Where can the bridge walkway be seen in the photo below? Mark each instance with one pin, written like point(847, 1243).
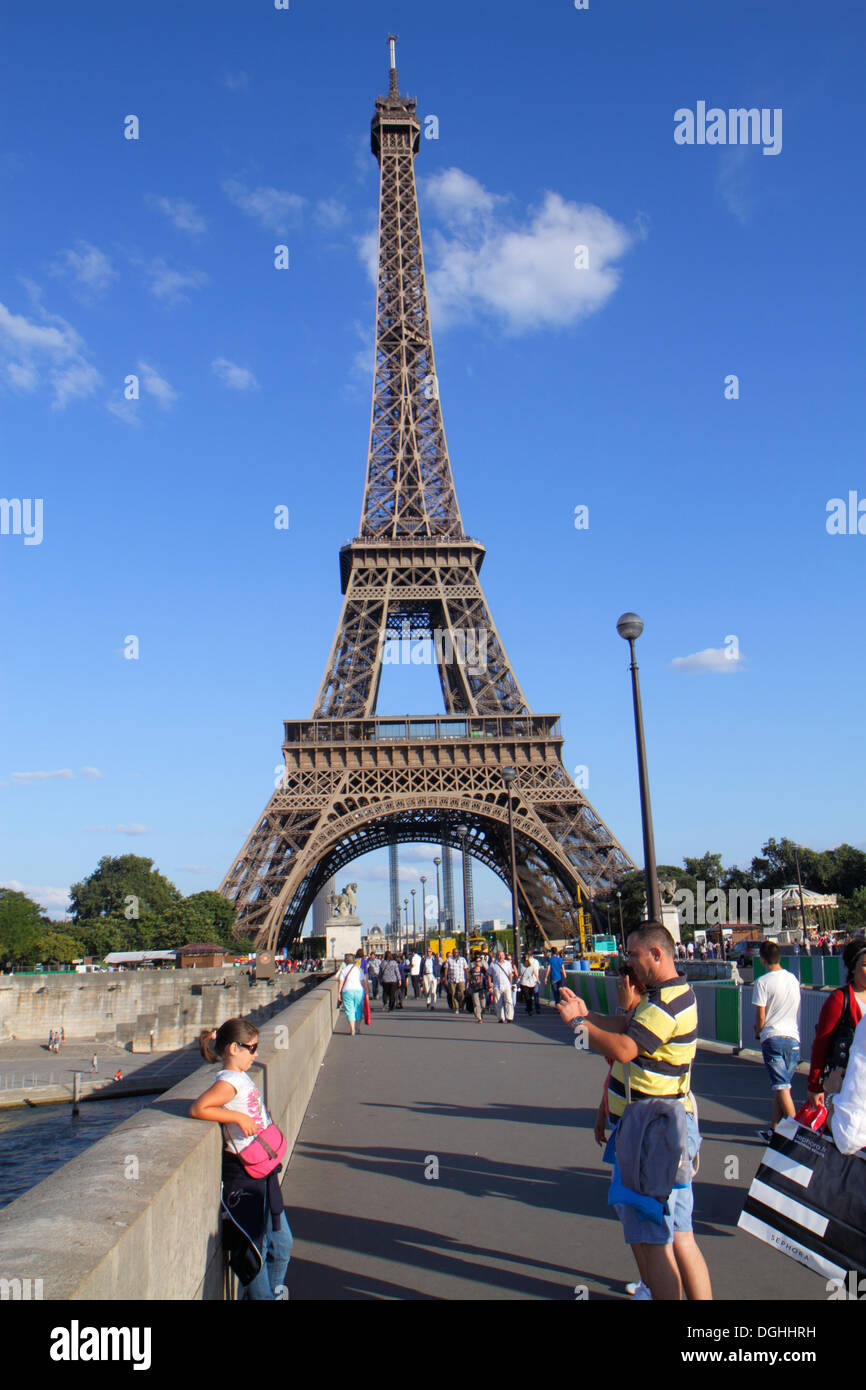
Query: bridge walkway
point(504, 1114)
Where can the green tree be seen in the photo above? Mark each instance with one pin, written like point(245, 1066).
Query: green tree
point(218, 913)
point(708, 869)
point(21, 921)
point(107, 891)
point(57, 948)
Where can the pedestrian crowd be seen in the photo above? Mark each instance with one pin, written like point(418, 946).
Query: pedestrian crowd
point(647, 1117)
point(56, 1039)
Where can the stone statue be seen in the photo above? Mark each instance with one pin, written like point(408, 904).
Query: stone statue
point(667, 890)
point(343, 904)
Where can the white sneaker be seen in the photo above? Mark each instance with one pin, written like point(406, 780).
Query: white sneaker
point(639, 1292)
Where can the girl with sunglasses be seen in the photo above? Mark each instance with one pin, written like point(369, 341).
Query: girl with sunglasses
point(256, 1234)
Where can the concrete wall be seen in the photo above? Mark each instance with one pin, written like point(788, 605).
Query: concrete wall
point(137, 1215)
point(123, 1008)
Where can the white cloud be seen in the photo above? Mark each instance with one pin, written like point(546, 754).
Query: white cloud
point(330, 213)
point(275, 208)
point(91, 772)
point(49, 352)
point(23, 375)
point(458, 198)
point(184, 214)
point(23, 778)
point(121, 829)
point(156, 385)
point(735, 181)
point(90, 268)
point(236, 81)
point(368, 250)
point(127, 411)
point(238, 378)
point(57, 898)
point(484, 262)
point(171, 286)
point(716, 660)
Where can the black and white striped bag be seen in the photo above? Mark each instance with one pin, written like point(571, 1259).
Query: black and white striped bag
point(809, 1201)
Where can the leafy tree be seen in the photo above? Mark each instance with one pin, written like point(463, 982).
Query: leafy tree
point(105, 892)
point(218, 913)
point(57, 948)
point(21, 921)
point(708, 869)
point(848, 871)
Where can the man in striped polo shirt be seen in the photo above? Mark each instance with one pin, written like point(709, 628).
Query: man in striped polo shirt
point(652, 1051)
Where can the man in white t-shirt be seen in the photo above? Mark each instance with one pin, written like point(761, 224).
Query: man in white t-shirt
point(502, 974)
point(776, 997)
point(415, 973)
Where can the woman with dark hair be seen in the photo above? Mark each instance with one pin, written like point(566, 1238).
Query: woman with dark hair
point(256, 1232)
point(836, 1024)
point(389, 978)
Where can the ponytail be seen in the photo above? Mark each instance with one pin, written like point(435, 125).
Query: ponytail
point(214, 1043)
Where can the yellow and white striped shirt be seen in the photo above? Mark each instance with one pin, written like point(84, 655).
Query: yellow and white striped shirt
point(665, 1027)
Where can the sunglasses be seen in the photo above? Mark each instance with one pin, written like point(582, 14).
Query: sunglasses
point(250, 1047)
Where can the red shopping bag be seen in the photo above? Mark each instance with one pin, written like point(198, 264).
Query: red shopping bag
point(367, 1018)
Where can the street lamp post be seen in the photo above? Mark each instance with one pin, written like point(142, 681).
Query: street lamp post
point(802, 903)
point(414, 929)
point(621, 932)
point(630, 627)
point(508, 776)
point(424, 908)
point(463, 831)
point(406, 937)
point(437, 861)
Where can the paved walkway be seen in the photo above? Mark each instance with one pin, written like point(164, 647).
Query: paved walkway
point(519, 1206)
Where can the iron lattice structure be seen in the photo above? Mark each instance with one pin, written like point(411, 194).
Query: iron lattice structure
point(354, 782)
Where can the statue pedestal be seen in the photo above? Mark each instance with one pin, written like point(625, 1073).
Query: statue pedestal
point(342, 934)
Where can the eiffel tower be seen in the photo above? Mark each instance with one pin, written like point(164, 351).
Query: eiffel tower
point(355, 781)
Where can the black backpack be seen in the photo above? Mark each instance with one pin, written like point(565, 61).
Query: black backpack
point(843, 1037)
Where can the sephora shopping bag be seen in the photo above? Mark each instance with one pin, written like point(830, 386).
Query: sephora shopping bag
point(809, 1201)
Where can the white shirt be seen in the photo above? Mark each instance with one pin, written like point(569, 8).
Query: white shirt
point(416, 965)
point(849, 1107)
point(529, 975)
point(350, 978)
point(501, 970)
point(779, 992)
point(430, 965)
point(249, 1101)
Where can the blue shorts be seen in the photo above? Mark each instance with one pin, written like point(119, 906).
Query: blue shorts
point(639, 1231)
point(781, 1056)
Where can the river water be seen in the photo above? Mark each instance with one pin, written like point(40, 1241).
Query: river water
point(34, 1142)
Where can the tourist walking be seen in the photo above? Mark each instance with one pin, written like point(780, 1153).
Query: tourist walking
point(430, 978)
point(653, 1051)
point(93, 1062)
point(502, 973)
point(389, 978)
point(776, 997)
point(350, 991)
point(255, 1230)
point(528, 981)
point(478, 985)
point(554, 974)
point(455, 978)
point(415, 974)
point(374, 966)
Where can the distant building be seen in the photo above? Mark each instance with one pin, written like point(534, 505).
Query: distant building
point(200, 955)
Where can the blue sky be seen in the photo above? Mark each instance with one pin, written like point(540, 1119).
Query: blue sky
point(560, 387)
